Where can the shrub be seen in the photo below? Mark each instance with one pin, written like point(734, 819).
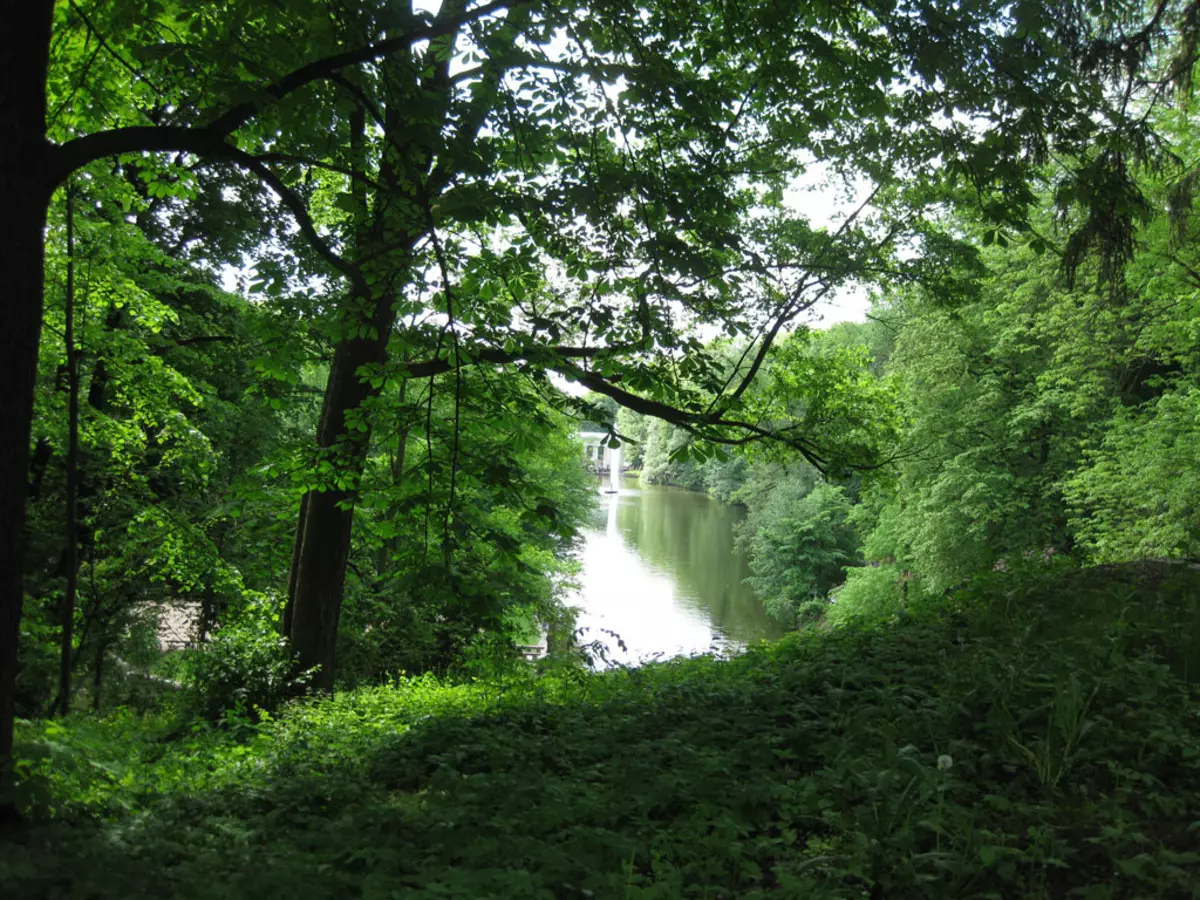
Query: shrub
point(1037, 741)
point(245, 667)
point(870, 593)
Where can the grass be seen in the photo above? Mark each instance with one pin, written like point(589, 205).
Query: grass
point(1039, 739)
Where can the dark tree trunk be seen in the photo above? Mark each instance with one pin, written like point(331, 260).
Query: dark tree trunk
point(319, 560)
point(323, 535)
point(25, 189)
point(209, 614)
point(97, 675)
point(294, 570)
point(323, 528)
point(37, 467)
point(409, 178)
point(67, 612)
point(98, 390)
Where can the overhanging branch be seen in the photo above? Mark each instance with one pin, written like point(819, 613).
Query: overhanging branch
point(202, 139)
point(700, 424)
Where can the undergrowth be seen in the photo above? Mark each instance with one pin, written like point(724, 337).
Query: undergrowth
point(1040, 738)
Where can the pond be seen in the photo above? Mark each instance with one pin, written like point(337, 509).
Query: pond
point(660, 570)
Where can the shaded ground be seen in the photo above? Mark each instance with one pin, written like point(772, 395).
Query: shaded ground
point(1040, 741)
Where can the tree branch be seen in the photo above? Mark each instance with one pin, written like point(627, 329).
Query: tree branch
point(296, 206)
point(300, 160)
point(491, 356)
point(790, 310)
point(125, 64)
point(698, 424)
point(201, 140)
point(361, 96)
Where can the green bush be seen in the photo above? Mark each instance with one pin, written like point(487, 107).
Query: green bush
point(870, 593)
point(244, 668)
point(799, 542)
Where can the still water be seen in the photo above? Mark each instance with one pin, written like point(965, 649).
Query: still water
point(660, 570)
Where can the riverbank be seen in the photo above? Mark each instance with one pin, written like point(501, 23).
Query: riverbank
point(1014, 747)
point(693, 487)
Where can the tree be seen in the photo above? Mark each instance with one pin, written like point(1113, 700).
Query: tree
point(174, 414)
point(698, 131)
point(1052, 413)
point(799, 544)
point(31, 167)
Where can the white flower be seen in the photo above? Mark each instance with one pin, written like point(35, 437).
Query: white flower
point(945, 762)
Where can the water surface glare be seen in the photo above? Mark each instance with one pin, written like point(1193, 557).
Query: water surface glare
point(660, 570)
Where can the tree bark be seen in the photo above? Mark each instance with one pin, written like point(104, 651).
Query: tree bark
point(294, 569)
point(319, 567)
point(25, 189)
point(37, 467)
point(408, 173)
point(317, 579)
point(67, 611)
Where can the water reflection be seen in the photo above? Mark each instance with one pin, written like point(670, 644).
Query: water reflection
point(659, 569)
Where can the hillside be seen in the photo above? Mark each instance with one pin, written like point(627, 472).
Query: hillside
point(1038, 739)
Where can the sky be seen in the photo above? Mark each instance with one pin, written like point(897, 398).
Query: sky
point(851, 304)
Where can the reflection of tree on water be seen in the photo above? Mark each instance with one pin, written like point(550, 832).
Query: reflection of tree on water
point(689, 536)
point(598, 644)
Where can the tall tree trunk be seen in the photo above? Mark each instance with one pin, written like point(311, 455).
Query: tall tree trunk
point(319, 561)
point(318, 571)
point(408, 177)
point(67, 612)
point(25, 190)
point(319, 568)
point(294, 569)
point(37, 467)
point(98, 390)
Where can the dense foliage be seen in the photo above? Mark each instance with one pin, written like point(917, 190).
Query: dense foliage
point(1036, 416)
point(289, 473)
point(1033, 748)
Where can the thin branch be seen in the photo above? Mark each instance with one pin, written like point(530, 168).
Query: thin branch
point(548, 357)
point(482, 102)
point(295, 204)
point(301, 160)
point(361, 96)
point(237, 116)
point(439, 252)
point(697, 424)
point(203, 339)
point(125, 64)
point(789, 311)
point(526, 60)
point(68, 100)
point(1191, 272)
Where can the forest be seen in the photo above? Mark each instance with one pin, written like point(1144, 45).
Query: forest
point(307, 303)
